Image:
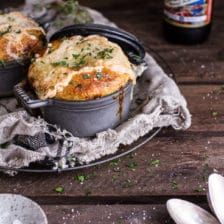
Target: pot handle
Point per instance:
(26, 100)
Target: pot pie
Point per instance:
(20, 37)
(80, 68)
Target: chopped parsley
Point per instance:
(99, 75)
(155, 163)
(75, 56)
(214, 113)
(5, 31)
(132, 165)
(81, 178)
(60, 63)
(86, 76)
(59, 189)
(127, 183)
(114, 163)
(105, 53)
(174, 185)
(199, 189)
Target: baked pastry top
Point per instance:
(80, 68)
(20, 37)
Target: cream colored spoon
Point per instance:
(216, 195)
(184, 212)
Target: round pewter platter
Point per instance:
(123, 150)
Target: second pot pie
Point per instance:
(80, 68)
(20, 37)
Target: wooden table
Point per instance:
(174, 164)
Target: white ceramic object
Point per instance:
(16, 209)
(216, 195)
(184, 212)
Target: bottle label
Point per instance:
(188, 13)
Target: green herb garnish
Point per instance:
(79, 60)
(59, 189)
(99, 75)
(81, 178)
(127, 184)
(5, 31)
(114, 163)
(75, 56)
(214, 114)
(60, 63)
(105, 53)
(199, 189)
(174, 185)
(86, 76)
(132, 165)
(155, 163)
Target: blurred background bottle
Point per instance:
(187, 21)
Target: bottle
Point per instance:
(187, 21)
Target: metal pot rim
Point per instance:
(14, 63)
(33, 102)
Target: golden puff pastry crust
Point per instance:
(20, 37)
(80, 68)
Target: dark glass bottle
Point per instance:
(187, 21)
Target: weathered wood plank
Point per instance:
(205, 105)
(107, 214)
(174, 165)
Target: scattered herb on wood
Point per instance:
(214, 113)
(114, 162)
(132, 165)
(174, 185)
(59, 189)
(155, 162)
(81, 178)
(199, 189)
(114, 177)
(127, 183)
(79, 60)
(105, 53)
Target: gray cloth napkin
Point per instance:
(157, 102)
